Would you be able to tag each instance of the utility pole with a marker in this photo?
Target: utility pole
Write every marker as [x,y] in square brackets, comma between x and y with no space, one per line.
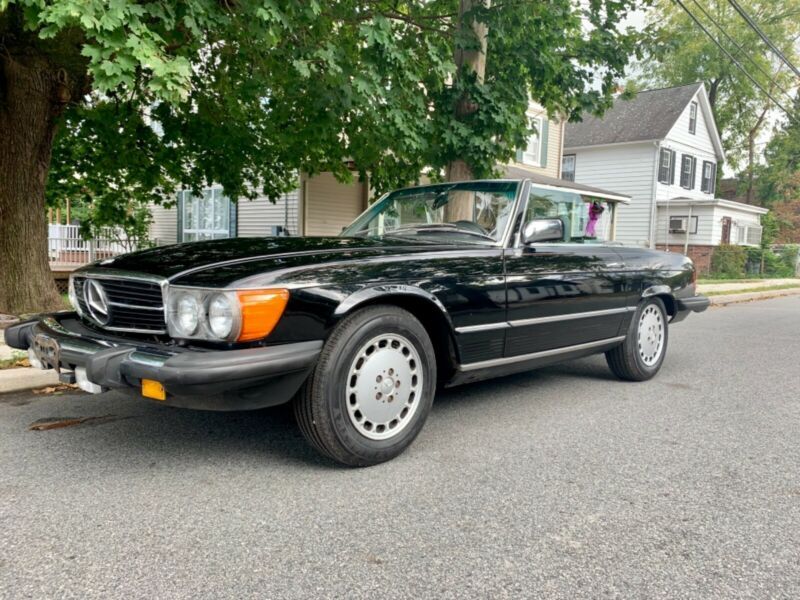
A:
[473,59]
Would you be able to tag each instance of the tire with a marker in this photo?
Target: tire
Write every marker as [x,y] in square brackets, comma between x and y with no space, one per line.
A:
[372,388]
[634,362]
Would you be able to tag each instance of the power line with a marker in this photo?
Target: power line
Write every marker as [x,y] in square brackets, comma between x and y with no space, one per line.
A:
[730,56]
[764,36]
[742,50]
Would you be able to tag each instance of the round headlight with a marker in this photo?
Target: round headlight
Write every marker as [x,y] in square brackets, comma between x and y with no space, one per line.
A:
[220,316]
[187,314]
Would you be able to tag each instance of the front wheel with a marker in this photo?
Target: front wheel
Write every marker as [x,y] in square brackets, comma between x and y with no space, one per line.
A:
[642,353]
[372,389]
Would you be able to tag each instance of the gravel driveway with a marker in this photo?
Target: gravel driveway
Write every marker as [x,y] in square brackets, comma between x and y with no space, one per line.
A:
[559,483]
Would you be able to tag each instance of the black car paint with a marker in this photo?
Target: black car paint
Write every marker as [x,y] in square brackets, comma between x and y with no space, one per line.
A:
[490,310]
[464,284]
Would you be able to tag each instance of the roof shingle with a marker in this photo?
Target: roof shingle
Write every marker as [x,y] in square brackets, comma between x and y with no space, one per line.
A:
[648,116]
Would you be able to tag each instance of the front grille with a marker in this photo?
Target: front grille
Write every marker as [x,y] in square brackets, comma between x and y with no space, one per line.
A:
[133,304]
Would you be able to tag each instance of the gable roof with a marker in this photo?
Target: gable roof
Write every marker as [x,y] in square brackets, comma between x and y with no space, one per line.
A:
[649,116]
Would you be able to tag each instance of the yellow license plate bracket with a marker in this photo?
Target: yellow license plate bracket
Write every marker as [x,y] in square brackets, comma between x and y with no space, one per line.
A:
[153,389]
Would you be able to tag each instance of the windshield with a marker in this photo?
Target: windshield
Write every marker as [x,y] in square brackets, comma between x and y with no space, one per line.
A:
[470,211]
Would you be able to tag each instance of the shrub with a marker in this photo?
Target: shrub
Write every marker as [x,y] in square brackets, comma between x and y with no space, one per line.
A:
[788,256]
[728,261]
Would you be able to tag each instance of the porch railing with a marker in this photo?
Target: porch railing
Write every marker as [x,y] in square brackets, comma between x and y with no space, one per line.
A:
[66,247]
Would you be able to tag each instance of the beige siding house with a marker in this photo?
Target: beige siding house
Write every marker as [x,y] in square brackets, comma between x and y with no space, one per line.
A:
[320,205]
[542,155]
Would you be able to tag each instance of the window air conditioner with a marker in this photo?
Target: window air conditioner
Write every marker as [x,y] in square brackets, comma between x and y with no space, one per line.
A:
[678,224]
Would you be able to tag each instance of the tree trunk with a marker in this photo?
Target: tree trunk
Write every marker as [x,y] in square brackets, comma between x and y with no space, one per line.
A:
[461,205]
[475,60]
[31,97]
[751,155]
[751,158]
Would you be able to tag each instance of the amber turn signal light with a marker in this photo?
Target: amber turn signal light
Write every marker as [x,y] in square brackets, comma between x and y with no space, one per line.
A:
[261,311]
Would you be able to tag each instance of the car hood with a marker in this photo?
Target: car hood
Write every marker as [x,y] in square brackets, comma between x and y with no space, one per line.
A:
[223,262]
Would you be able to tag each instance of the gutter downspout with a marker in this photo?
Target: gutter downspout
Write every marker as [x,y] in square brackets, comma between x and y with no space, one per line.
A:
[654,200]
[563,126]
[688,229]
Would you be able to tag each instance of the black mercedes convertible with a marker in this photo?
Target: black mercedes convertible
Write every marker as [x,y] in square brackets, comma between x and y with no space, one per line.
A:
[431,286]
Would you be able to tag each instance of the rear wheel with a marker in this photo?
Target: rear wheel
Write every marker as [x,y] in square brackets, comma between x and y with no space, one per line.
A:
[372,388]
[642,353]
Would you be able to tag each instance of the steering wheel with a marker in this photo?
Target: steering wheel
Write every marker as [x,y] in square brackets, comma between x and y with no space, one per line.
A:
[471,226]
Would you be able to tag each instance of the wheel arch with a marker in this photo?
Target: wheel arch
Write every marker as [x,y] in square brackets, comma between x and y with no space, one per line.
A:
[426,307]
[664,292]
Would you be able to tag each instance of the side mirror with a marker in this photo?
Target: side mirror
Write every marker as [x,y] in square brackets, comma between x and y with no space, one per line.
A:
[543,230]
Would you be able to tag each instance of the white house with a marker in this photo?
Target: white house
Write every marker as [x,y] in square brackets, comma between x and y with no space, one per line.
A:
[663,149]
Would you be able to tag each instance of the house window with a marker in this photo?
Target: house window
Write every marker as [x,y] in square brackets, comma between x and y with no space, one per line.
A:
[687,171]
[535,153]
[666,166]
[709,180]
[211,216]
[693,117]
[568,167]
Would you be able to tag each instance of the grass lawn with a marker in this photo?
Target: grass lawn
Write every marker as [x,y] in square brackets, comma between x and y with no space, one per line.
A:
[762,288]
[708,281]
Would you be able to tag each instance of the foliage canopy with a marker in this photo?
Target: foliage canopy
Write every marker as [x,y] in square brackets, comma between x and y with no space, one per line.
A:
[683,53]
[246,93]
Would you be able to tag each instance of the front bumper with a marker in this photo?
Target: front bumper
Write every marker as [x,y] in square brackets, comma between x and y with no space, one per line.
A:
[688,305]
[192,378]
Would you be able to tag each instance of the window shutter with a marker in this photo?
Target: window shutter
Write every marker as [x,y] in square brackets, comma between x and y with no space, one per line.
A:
[712,188]
[543,134]
[233,221]
[692,175]
[179,236]
[672,159]
[684,179]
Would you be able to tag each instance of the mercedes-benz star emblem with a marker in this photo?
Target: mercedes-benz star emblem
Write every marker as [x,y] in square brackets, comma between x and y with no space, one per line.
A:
[96,301]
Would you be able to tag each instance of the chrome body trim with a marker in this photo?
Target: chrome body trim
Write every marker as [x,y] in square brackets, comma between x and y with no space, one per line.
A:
[483,327]
[571,316]
[537,320]
[148,358]
[124,305]
[509,360]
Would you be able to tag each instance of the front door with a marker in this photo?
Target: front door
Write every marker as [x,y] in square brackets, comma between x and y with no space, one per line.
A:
[726,230]
[563,293]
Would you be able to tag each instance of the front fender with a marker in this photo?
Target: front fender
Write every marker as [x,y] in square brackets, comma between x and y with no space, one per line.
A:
[393,294]
[657,290]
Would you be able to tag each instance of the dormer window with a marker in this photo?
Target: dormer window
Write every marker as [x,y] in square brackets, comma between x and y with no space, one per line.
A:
[693,117]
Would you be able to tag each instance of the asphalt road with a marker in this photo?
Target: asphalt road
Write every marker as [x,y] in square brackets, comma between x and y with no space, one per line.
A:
[560,483]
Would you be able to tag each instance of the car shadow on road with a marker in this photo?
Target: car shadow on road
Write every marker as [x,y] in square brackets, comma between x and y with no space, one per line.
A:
[593,368]
[150,431]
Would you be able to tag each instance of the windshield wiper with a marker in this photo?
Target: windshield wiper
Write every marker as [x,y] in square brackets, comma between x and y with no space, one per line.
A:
[438,227]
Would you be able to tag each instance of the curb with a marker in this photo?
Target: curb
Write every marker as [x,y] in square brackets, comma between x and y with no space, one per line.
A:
[726,299]
[26,378]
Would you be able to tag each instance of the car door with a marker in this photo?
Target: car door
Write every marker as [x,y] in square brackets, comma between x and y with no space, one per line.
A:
[562,293]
